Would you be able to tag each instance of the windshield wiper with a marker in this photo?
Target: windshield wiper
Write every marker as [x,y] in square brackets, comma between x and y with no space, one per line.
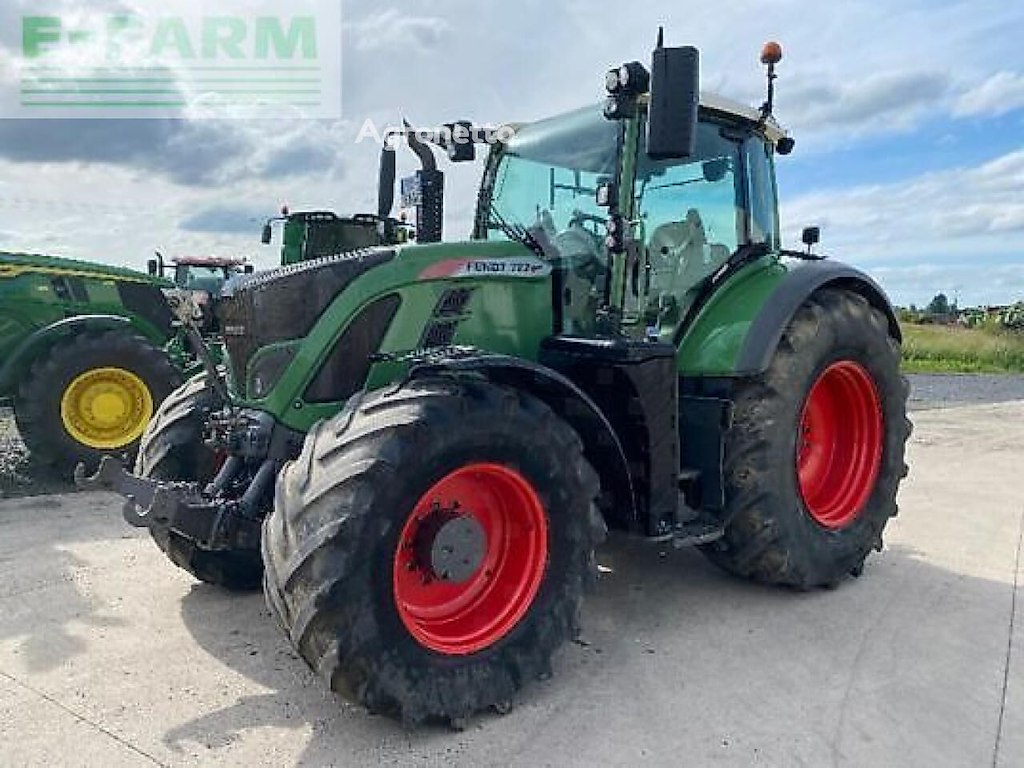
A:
[518,233]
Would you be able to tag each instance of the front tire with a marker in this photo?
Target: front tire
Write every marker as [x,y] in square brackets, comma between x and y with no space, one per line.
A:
[429,549]
[815,454]
[92,394]
[172,449]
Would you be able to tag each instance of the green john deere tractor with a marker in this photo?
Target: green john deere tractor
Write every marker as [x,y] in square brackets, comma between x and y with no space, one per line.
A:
[314,234]
[87,354]
[418,447]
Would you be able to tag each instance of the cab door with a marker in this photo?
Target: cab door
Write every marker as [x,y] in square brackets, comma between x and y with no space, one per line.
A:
[692,219]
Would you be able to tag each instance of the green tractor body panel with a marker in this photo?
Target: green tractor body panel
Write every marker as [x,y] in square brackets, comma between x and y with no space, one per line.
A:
[736,331]
[44,299]
[714,341]
[502,303]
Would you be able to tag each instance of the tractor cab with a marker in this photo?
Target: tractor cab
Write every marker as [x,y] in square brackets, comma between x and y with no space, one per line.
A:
[202,278]
[206,274]
[309,235]
[642,205]
[637,236]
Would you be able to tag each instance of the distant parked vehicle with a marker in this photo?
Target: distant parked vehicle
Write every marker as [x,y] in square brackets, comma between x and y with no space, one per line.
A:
[87,354]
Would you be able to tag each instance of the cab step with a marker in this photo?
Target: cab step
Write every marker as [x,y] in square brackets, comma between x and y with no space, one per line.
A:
[702,529]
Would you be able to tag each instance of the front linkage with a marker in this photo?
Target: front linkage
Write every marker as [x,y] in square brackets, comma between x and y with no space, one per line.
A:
[248,449]
[182,507]
[226,513]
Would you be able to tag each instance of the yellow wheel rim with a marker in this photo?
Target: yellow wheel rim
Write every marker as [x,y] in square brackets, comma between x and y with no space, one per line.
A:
[106,408]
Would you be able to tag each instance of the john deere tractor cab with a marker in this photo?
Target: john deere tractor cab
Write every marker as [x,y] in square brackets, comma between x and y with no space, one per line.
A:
[418,447]
[309,235]
[199,281]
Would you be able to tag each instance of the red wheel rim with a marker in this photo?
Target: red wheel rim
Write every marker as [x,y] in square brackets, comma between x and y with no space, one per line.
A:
[465,615]
[839,449]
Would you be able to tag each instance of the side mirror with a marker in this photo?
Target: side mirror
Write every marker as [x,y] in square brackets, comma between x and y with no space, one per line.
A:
[674,105]
[248,269]
[811,236]
[152,267]
[268,234]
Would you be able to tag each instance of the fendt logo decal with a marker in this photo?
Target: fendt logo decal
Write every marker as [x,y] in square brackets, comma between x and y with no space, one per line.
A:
[456,268]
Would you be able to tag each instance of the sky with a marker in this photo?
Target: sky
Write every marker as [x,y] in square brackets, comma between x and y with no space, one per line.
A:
[908,117]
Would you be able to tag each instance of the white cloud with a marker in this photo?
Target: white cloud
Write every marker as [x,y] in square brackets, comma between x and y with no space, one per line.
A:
[852,70]
[958,203]
[882,102]
[999,94]
[393,29]
[961,227]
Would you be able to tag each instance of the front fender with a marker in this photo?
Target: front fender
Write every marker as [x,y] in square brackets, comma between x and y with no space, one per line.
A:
[738,329]
[601,444]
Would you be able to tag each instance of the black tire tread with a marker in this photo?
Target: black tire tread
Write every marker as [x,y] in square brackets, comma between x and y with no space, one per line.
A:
[756,544]
[43,435]
[310,574]
[172,449]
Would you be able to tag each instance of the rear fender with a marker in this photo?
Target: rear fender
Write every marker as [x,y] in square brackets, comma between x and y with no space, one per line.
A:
[738,329]
[790,294]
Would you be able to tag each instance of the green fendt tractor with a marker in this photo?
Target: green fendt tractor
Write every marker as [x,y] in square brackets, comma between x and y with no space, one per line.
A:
[418,447]
[82,355]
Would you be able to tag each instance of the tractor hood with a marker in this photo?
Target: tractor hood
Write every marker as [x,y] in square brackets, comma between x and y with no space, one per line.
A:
[285,303]
[12,264]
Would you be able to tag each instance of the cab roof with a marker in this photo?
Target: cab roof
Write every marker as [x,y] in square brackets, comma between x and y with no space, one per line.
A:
[717,104]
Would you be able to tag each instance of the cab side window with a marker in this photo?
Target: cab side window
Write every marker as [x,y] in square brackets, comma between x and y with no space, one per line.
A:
[693,221]
[764,224]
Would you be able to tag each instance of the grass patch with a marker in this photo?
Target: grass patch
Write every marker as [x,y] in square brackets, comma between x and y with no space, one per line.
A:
[951,349]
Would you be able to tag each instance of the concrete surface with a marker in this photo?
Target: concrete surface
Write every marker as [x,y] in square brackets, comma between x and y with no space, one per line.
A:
[109,656]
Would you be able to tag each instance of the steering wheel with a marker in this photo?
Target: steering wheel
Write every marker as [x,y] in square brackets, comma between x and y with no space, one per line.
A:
[579,218]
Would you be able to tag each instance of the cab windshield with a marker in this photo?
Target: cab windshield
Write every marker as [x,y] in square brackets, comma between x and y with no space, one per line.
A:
[690,216]
[199,278]
[549,173]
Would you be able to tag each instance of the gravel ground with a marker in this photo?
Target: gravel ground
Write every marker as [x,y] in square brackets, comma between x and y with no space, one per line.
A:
[943,391]
[19,476]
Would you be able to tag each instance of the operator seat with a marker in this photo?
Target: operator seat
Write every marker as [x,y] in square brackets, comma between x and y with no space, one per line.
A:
[676,252]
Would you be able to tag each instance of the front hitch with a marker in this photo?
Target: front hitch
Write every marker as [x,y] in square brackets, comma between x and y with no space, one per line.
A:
[179,507]
[147,502]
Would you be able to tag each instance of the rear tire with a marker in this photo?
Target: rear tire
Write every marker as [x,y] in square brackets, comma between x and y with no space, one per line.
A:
[173,449]
[795,520]
[338,560]
[92,394]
